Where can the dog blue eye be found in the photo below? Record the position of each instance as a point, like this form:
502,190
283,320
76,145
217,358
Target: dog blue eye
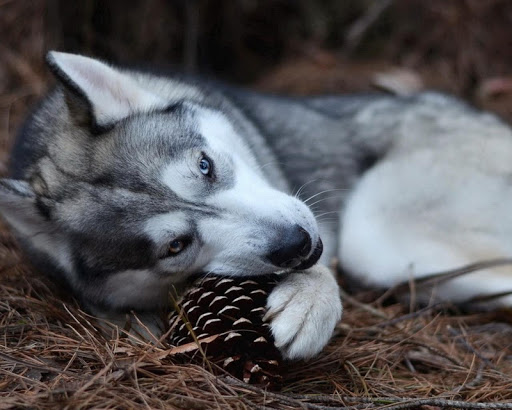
205,166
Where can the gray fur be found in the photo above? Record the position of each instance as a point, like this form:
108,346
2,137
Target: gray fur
93,178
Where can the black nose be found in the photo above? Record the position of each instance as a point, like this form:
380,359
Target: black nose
294,245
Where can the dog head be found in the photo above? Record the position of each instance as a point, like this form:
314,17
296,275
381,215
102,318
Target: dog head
132,190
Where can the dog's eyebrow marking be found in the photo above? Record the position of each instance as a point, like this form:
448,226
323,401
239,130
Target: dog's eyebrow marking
166,225
178,176
218,131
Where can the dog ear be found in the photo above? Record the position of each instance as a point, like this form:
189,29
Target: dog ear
98,93
19,208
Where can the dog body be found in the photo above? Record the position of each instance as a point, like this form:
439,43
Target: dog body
424,179
125,184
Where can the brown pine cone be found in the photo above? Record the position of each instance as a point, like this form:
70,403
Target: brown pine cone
225,316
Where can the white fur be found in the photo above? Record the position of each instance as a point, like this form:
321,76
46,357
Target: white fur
179,178
251,193
433,206
222,137
240,234
166,227
304,309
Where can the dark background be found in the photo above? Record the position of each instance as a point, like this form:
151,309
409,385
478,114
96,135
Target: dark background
295,47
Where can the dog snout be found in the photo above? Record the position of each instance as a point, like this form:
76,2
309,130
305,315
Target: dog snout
294,244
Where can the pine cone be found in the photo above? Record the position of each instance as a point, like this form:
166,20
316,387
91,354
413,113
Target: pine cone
225,316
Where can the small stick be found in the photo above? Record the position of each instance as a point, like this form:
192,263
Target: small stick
385,402
364,306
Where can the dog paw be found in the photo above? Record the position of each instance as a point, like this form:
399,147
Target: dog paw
303,311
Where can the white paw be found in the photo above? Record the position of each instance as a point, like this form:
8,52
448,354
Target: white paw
303,310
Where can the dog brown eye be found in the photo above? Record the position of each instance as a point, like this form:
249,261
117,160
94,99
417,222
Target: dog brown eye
176,247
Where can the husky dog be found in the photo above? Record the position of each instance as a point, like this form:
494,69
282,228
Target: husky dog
125,183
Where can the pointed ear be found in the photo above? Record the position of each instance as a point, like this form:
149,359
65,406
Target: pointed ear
18,207
105,92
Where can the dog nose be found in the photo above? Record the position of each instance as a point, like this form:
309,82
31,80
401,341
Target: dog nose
295,244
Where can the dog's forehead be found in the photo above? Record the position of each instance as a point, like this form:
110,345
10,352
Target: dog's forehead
160,136
219,133
156,139
145,166
135,151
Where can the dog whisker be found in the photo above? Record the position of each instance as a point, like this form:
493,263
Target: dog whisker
303,186
323,192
